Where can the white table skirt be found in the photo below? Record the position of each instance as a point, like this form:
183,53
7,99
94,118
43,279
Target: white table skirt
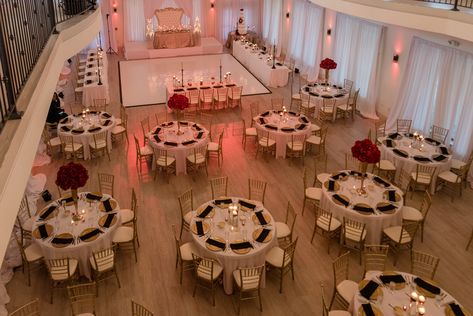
229,260
270,77
317,101
281,137
81,251
93,90
375,223
409,164
180,152
170,89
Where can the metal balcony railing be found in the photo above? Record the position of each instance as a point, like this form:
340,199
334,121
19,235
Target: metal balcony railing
25,27
455,3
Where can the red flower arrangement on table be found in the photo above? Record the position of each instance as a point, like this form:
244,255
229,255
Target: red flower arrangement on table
366,152
178,103
328,64
72,176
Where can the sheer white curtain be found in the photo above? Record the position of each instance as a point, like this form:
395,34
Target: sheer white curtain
228,12
272,21
134,20
306,37
357,49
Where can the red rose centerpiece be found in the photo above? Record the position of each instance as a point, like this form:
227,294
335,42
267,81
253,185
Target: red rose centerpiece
71,177
178,103
327,64
367,153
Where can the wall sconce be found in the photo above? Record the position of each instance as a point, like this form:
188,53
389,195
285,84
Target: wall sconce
396,58
287,15
329,32
114,5
212,5
115,10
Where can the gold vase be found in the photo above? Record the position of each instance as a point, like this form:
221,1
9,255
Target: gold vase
363,167
76,216
178,114
326,79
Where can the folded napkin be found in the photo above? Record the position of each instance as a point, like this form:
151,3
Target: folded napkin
64,120
68,199
312,84
107,123
265,114
231,85
206,211
183,123
422,159
339,95
327,96
192,88
200,228
394,135
170,143
88,81
156,138
427,286
306,89
432,141
48,212
287,129
216,243
43,233
204,88
169,124
338,176
219,86
90,66
90,234
260,217
323,84
331,185
368,309
223,201
386,208
314,94
410,135
178,90
262,236
157,130
397,278
104,114
241,245
77,131
456,309
381,181
106,204
364,209
369,289
304,119
292,113
91,59
108,220
94,129
62,241
300,126
199,136
197,127
389,143
392,195
341,200
400,153
271,127
279,64
89,73
188,142
261,120
91,196
356,173
439,158
444,150
247,204
95,112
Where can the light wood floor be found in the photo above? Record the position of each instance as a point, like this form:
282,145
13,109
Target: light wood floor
154,282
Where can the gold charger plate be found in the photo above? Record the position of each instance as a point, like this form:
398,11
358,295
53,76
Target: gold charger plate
336,187
424,291
256,221
94,193
386,196
399,286
376,311
449,311
363,205
205,227
212,247
51,215
63,235
202,208
88,230
104,218
257,232
381,204
49,230
376,293
67,196
240,251
244,208
338,202
113,204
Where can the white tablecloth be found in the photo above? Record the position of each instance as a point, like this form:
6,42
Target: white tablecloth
229,260
375,222
168,133
91,121
256,62
289,120
408,163
63,224
92,90
170,89
315,93
398,298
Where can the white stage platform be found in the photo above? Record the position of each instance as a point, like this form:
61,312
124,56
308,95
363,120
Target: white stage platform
144,82
144,50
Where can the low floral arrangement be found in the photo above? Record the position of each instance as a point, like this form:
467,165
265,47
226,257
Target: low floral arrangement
178,102
365,151
328,64
72,176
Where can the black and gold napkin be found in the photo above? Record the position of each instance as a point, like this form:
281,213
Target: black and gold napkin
427,286
386,208
444,150
432,141
48,212
107,123
67,200
174,144
93,197
241,245
339,175
287,129
189,142
261,121
222,201
422,159
107,206
105,114
262,236
341,200
381,181
331,186
439,158
108,220
43,233
314,94
392,195
304,119
363,209
157,130
156,138
271,127
62,241
368,309
339,95
200,228
197,127
77,131
301,126
216,243
94,129
260,217
91,233
265,114
369,289
400,153
206,211
247,204
396,278
456,309
394,135
389,143
199,136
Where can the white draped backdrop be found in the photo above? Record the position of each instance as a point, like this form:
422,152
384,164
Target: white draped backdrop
357,49
272,22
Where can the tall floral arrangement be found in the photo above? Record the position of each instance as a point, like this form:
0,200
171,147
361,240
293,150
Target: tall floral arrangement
328,64
365,151
178,102
72,176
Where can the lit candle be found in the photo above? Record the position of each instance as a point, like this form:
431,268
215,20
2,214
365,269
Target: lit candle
235,213
421,310
421,299
414,296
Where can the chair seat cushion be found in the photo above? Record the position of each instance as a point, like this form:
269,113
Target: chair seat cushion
61,276
251,131
146,150
275,257
450,177
123,234
28,224
118,121
315,127
101,143
188,217
266,143
355,235
196,159
313,193
252,285
296,96
282,230
344,107
55,141
33,252
217,270
68,147
347,289
339,313
212,146
411,214
295,146
107,265
163,162
323,221
313,139
127,215
386,165
322,177
457,164
394,233
327,110
187,250
422,178
117,129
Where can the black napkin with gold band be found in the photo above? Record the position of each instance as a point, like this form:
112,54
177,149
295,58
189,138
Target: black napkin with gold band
62,241
108,220
427,286
48,212
222,201
174,144
400,153
396,278
262,236
369,289
392,195
341,200
206,211
156,138
456,309
444,150
363,209
247,204
106,204
90,234
386,208
189,142
200,228
216,243
261,218
331,185
241,245
381,181
43,233
368,309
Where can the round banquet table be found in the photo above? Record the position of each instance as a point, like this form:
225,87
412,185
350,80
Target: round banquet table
58,222
398,149
82,128
391,300
317,92
281,128
365,209
215,227
165,137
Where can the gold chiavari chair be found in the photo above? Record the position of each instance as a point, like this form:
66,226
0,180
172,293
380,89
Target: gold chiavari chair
208,273
70,148
380,130
327,109
216,149
424,265
282,259
348,85
400,237
127,215
197,160
142,153
206,99
264,143
248,132
186,205
100,105
100,144
30,255
422,177
206,120
145,128
184,253
24,219
317,125
50,142
190,116
318,141
412,214
326,226
248,282
353,235
310,113
61,272
121,130
284,230
219,187
403,182
348,109
194,100
296,98
82,298
351,163
164,163
453,181
374,258
234,96
29,309
439,133
126,238
295,148
325,308
277,104
106,183
254,110
161,117
458,164
139,310
344,289
256,190
312,194
403,126
118,121
103,266
385,167
220,98
320,177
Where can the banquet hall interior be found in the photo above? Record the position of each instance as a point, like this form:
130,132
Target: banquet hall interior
210,157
